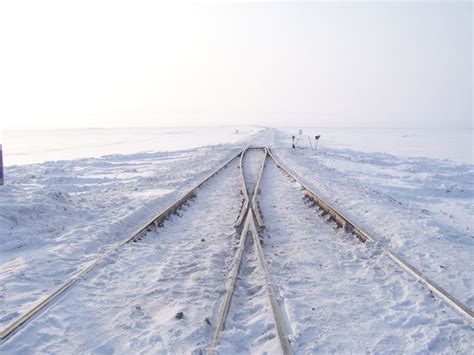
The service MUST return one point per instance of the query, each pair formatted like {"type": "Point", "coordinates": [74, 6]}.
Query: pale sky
{"type": "Point", "coordinates": [67, 64]}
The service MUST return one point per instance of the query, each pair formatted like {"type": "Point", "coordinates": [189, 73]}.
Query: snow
{"type": "Point", "coordinates": [250, 325]}
{"type": "Point", "coordinates": [337, 294]}
{"type": "Point", "coordinates": [452, 144]}
{"type": "Point", "coordinates": [253, 160]}
{"type": "Point", "coordinates": [132, 301]}
{"type": "Point", "coordinates": [36, 146]}
{"type": "Point", "coordinates": [57, 216]}
{"type": "Point", "coordinates": [341, 296]}
{"type": "Point", "coordinates": [422, 208]}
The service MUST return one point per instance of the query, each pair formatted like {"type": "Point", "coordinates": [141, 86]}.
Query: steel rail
{"type": "Point", "coordinates": [363, 236]}
{"type": "Point", "coordinates": [243, 191]}
{"type": "Point", "coordinates": [277, 314]}
{"type": "Point", "coordinates": [245, 201]}
{"type": "Point", "coordinates": [24, 318]}
{"type": "Point", "coordinates": [230, 287]}
{"type": "Point", "coordinates": [250, 227]}
{"type": "Point", "coordinates": [255, 207]}
{"type": "Point", "coordinates": [232, 279]}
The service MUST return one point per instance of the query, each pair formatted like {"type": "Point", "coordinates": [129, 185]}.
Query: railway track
{"type": "Point", "coordinates": [156, 221]}
{"type": "Point", "coordinates": [250, 285]}
{"type": "Point", "coordinates": [254, 225]}
{"type": "Point", "coordinates": [350, 227]}
{"type": "Point", "coordinates": [339, 294]}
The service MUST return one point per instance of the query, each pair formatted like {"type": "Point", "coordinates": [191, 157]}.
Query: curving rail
{"type": "Point", "coordinates": [250, 227]}
{"type": "Point", "coordinates": [243, 191]}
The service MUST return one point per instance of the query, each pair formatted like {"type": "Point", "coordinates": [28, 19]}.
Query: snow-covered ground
{"type": "Point", "coordinates": [36, 146]}
{"type": "Point", "coordinates": [341, 296]}
{"type": "Point", "coordinates": [57, 215]}
{"type": "Point", "coordinates": [453, 144]}
{"type": "Point", "coordinates": [421, 207]}
{"type": "Point", "coordinates": [131, 304]}
{"type": "Point", "coordinates": [250, 325]}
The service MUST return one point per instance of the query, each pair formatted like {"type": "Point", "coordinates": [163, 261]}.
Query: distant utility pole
{"type": "Point", "coordinates": [1, 166]}
{"type": "Point", "coordinates": [317, 141]}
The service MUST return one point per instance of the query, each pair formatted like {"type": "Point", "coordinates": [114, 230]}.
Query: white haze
{"type": "Point", "coordinates": [67, 64]}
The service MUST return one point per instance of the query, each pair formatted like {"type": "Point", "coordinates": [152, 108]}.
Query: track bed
{"type": "Point", "coordinates": [131, 303]}
{"type": "Point", "coordinates": [250, 326]}
{"type": "Point", "coordinates": [340, 295]}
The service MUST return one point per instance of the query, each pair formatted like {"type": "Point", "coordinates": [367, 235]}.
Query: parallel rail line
{"type": "Point", "coordinates": [156, 221]}
{"type": "Point", "coordinates": [249, 220]}
{"type": "Point", "coordinates": [363, 236]}
{"type": "Point", "coordinates": [254, 219]}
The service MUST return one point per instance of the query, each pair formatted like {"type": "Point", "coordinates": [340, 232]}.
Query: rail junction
{"type": "Point", "coordinates": [249, 279]}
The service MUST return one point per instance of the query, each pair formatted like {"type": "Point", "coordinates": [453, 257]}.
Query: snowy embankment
{"type": "Point", "coordinates": [57, 216]}
{"type": "Point", "coordinates": [162, 293]}
{"type": "Point", "coordinates": [158, 295]}
{"type": "Point", "coordinates": [341, 296]}
{"type": "Point", "coordinates": [420, 207]}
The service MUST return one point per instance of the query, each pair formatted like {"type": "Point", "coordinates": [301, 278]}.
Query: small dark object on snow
{"type": "Point", "coordinates": [179, 315]}
{"type": "Point", "coordinates": [313, 309]}
{"type": "Point", "coordinates": [317, 137]}
{"type": "Point", "coordinates": [203, 240]}
{"type": "Point", "coordinates": [1, 166]}
{"type": "Point", "coordinates": [207, 321]}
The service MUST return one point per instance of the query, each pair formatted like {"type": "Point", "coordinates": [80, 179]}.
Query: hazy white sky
{"type": "Point", "coordinates": [112, 63]}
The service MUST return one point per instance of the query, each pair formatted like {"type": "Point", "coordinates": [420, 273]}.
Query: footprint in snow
{"type": "Point", "coordinates": [137, 312]}
{"type": "Point", "coordinates": [9, 317]}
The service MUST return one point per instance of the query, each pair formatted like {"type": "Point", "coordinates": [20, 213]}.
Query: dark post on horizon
{"type": "Point", "coordinates": [1, 166]}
